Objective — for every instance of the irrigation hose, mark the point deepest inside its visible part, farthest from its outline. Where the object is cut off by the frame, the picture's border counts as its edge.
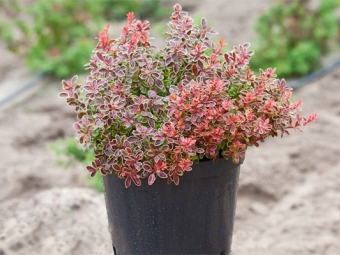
(18, 92)
(314, 76)
(293, 84)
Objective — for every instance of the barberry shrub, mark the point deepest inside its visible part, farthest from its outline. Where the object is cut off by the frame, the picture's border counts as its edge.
(150, 113)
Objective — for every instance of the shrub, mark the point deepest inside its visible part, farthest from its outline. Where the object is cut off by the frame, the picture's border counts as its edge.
(293, 37)
(69, 152)
(150, 113)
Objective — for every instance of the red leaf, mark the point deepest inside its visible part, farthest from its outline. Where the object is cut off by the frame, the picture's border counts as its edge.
(116, 167)
(136, 180)
(127, 182)
(195, 70)
(200, 64)
(92, 170)
(100, 56)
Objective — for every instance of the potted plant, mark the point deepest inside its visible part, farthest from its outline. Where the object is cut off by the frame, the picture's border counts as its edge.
(149, 114)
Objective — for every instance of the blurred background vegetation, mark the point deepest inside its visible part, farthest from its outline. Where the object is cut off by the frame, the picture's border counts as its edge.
(56, 37)
(294, 35)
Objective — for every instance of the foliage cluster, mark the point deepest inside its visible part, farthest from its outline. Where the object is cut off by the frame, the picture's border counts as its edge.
(54, 36)
(293, 36)
(150, 113)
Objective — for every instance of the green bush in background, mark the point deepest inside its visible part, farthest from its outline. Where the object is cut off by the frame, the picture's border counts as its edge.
(54, 36)
(295, 36)
(68, 152)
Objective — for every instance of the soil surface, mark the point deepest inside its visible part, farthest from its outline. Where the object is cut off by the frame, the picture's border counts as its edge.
(289, 193)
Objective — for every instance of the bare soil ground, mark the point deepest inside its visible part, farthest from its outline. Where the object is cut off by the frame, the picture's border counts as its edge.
(289, 194)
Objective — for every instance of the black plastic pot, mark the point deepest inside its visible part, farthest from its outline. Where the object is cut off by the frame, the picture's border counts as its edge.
(195, 217)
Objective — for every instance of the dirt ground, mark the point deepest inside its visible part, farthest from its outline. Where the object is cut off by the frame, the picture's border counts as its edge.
(289, 193)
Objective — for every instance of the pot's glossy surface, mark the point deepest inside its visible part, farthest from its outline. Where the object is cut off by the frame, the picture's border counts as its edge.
(195, 217)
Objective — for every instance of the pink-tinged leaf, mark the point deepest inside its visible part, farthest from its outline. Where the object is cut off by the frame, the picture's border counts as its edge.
(162, 175)
(156, 75)
(118, 153)
(100, 56)
(143, 76)
(127, 182)
(136, 180)
(204, 23)
(200, 150)
(159, 84)
(168, 61)
(63, 94)
(74, 79)
(132, 64)
(158, 142)
(151, 93)
(76, 126)
(120, 73)
(132, 139)
(151, 123)
(150, 81)
(177, 8)
(115, 99)
(87, 138)
(176, 179)
(108, 152)
(144, 174)
(151, 179)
